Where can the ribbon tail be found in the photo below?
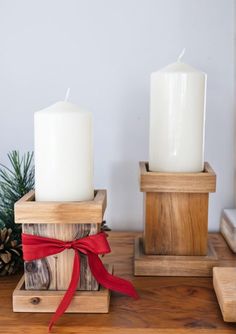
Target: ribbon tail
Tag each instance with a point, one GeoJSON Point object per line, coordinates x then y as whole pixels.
{"type": "Point", "coordinates": [69, 293]}
{"type": "Point", "coordinates": [110, 281]}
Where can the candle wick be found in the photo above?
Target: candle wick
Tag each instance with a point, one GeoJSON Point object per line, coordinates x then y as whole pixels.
{"type": "Point", "coordinates": [67, 94]}
{"type": "Point", "coordinates": [181, 55]}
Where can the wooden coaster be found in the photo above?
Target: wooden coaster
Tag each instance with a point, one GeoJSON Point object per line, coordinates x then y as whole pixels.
{"type": "Point", "coordinates": [48, 301]}
{"type": "Point", "coordinates": [228, 227]}
{"type": "Point", "coordinates": [169, 265]}
{"type": "Point", "coordinates": [224, 281]}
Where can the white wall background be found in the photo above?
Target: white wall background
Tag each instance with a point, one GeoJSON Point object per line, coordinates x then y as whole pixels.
{"type": "Point", "coordinates": [105, 51]}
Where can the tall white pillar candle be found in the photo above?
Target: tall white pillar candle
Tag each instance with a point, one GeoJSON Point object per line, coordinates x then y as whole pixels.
{"type": "Point", "coordinates": [63, 153]}
{"type": "Point", "coordinates": [177, 119]}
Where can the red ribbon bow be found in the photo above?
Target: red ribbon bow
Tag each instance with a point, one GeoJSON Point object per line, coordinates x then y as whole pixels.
{"type": "Point", "coordinates": [36, 247]}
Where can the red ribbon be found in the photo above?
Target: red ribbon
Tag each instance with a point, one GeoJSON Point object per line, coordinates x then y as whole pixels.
{"type": "Point", "coordinates": [36, 247]}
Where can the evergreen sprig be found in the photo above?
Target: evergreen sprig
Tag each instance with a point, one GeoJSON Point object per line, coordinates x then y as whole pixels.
{"type": "Point", "coordinates": [15, 181]}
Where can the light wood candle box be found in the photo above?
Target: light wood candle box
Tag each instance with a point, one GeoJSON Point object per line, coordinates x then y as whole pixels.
{"type": "Point", "coordinates": [228, 227]}
{"type": "Point", "coordinates": [224, 281]}
{"type": "Point", "coordinates": [176, 211]}
{"type": "Point", "coordinates": [65, 221]}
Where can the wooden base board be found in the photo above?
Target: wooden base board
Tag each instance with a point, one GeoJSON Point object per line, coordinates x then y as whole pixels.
{"type": "Point", "coordinates": [48, 301]}
{"type": "Point", "coordinates": [169, 265]}
{"type": "Point", "coordinates": [224, 281]}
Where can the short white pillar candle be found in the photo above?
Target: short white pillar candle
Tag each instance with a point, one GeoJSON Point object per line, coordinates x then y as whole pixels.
{"type": "Point", "coordinates": [63, 153]}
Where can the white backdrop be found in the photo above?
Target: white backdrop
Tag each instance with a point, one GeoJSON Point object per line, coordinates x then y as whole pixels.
{"type": "Point", "coordinates": [105, 51]}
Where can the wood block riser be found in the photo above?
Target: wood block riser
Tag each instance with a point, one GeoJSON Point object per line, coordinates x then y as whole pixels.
{"type": "Point", "coordinates": [54, 272]}
{"type": "Point", "coordinates": [176, 211]}
{"type": "Point", "coordinates": [176, 223]}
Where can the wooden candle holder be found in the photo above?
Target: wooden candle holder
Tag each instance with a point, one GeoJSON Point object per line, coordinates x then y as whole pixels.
{"type": "Point", "coordinates": [176, 211]}
{"type": "Point", "coordinates": [175, 240]}
{"type": "Point", "coordinates": [65, 221]}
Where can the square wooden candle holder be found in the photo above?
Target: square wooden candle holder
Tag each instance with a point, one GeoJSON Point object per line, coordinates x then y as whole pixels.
{"type": "Point", "coordinates": [176, 211]}
{"type": "Point", "coordinates": [175, 240]}
{"type": "Point", "coordinates": [65, 221]}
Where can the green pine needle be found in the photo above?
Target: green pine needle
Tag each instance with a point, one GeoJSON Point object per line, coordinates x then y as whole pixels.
{"type": "Point", "coordinates": [15, 182]}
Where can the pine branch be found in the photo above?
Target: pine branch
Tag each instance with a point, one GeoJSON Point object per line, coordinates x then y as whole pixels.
{"type": "Point", "coordinates": [15, 182]}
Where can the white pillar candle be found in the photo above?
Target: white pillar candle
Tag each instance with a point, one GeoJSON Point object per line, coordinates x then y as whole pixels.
{"type": "Point", "coordinates": [63, 153]}
{"type": "Point", "coordinates": [177, 119]}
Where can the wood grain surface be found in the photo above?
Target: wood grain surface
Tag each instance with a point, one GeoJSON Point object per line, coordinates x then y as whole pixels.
{"type": "Point", "coordinates": [54, 272]}
{"type": "Point", "coordinates": [28, 211]}
{"type": "Point", "coordinates": [48, 301]}
{"type": "Point", "coordinates": [167, 305]}
{"type": "Point", "coordinates": [224, 281]}
{"type": "Point", "coordinates": [64, 221]}
{"type": "Point", "coordinates": [203, 182]}
{"type": "Point", "coordinates": [176, 211]}
{"type": "Point", "coordinates": [171, 265]}
{"type": "Point", "coordinates": [175, 223]}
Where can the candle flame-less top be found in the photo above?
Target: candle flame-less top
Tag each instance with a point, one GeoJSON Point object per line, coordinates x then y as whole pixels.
{"type": "Point", "coordinates": [61, 107]}
{"type": "Point", "coordinates": [179, 67]}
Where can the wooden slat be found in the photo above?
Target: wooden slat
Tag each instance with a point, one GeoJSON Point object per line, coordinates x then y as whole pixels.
{"type": "Point", "coordinates": [224, 281]}
{"type": "Point", "coordinates": [204, 182]}
{"type": "Point", "coordinates": [27, 211]}
{"type": "Point", "coordinates": [163, 265]}
{"type": "Point", "coordinates": [48, 301]}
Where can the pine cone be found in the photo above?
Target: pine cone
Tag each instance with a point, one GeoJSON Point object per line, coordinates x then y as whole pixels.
{"type": "Point", "coordinates": [105, 227]}
{"type": "Point", "coordinates": [10, 253]}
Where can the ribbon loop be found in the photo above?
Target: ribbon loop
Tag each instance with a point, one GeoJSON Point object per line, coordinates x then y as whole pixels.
{"type": "Point", "coordinates": [36, 247]}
